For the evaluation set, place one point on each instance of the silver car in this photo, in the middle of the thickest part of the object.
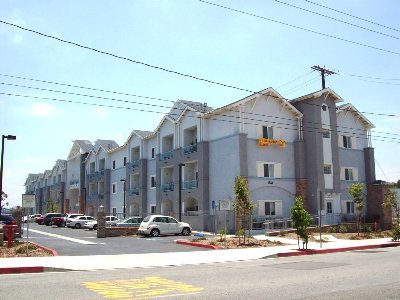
(79, 221)
(157, 224)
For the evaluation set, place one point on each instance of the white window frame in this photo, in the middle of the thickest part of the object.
(347, 142)
(275, 168)
(114, 188)
(269, 130)
(113, 164)
(153, 152)
(114, 211)
(345, 174)
(329, 207)
(277, 208)
(151, 209)
(350, 207)
(327, 169)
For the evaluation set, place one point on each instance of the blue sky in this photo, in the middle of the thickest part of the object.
(191, 37)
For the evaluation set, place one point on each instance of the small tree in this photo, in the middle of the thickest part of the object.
(243, 206)
(356, 191)
(301, 220)
(392, 202)
(51, 206)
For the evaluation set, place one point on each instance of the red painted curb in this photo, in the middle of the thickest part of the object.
(182, 242)
(18, 270)
(52, 251)
(333, 250)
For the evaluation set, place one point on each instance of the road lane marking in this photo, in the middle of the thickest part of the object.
(141, 288)
(63, 237)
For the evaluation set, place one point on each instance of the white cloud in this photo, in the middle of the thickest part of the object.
(101, 112)
(17, 39)
(43, 109)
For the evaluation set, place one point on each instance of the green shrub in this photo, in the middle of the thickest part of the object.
(343, 229)
(396, 233)
(222, 234)
(368, 228)
(332, 229)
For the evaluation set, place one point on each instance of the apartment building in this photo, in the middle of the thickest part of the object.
(313, 146)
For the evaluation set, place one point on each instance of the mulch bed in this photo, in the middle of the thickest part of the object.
(18, 249)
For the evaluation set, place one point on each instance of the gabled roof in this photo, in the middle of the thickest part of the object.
(326, 91)
(350, 108)
(181, 106)
(267, 92)
(107, 145)
(80, 146)
(140, 133)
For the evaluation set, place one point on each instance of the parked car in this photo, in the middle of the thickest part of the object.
(110, 221)
(130, 222)
(30, 218)
(156, 225)
(71, 216)
(9, 220)
(79, 221)
(39, 219)
(47, 218)
(58, 220)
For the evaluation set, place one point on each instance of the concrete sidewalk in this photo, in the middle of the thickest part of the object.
(128, 261)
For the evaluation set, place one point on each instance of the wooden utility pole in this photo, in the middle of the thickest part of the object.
(323, 72)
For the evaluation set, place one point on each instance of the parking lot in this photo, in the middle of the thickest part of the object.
(75, 242)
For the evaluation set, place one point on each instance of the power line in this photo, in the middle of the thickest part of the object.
(129, 59)
(84, 87)
(153, 105)
(305, 128)
(161, 68)
(337, 20)
(299, 27)
(293, 80)
(353, 16)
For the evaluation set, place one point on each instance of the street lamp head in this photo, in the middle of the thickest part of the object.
(10, 137)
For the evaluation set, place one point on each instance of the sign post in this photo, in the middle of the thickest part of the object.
(28, 201)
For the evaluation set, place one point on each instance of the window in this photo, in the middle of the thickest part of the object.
(350, 207)
(114, 211)
(348, 174)
(347, 142)
(269, 208)
(267, 132)
(125, 161)
(153, 183)
(113, 165)
(114, 188)
(326, 134)
(268, 170)
(153, 152)
(152, 209)
(324, 107)
(329, 209)
(327, 169)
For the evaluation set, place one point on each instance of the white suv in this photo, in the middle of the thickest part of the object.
(158, 224)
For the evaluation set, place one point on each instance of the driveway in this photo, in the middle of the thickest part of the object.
(77, 242)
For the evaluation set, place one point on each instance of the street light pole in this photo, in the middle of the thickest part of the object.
(3, 137)
(180, 191)
(124, 211)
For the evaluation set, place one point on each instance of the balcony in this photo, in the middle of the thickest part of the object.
(134, 191)
(189, 149)
(74, 182)
(166, 155)
(167, 187)
(96, 175)
(133, 163)
(190, 184)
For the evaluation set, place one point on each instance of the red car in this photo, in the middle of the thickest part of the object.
(39, 220)
(59, 221)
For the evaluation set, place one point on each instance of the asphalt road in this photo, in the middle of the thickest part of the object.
(76, 242)
(367, 274)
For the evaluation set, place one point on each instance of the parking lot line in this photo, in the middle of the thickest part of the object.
(63, 237)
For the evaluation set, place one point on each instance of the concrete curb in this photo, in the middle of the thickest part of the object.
(194, 244)
(52, 251)
(333, 250)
